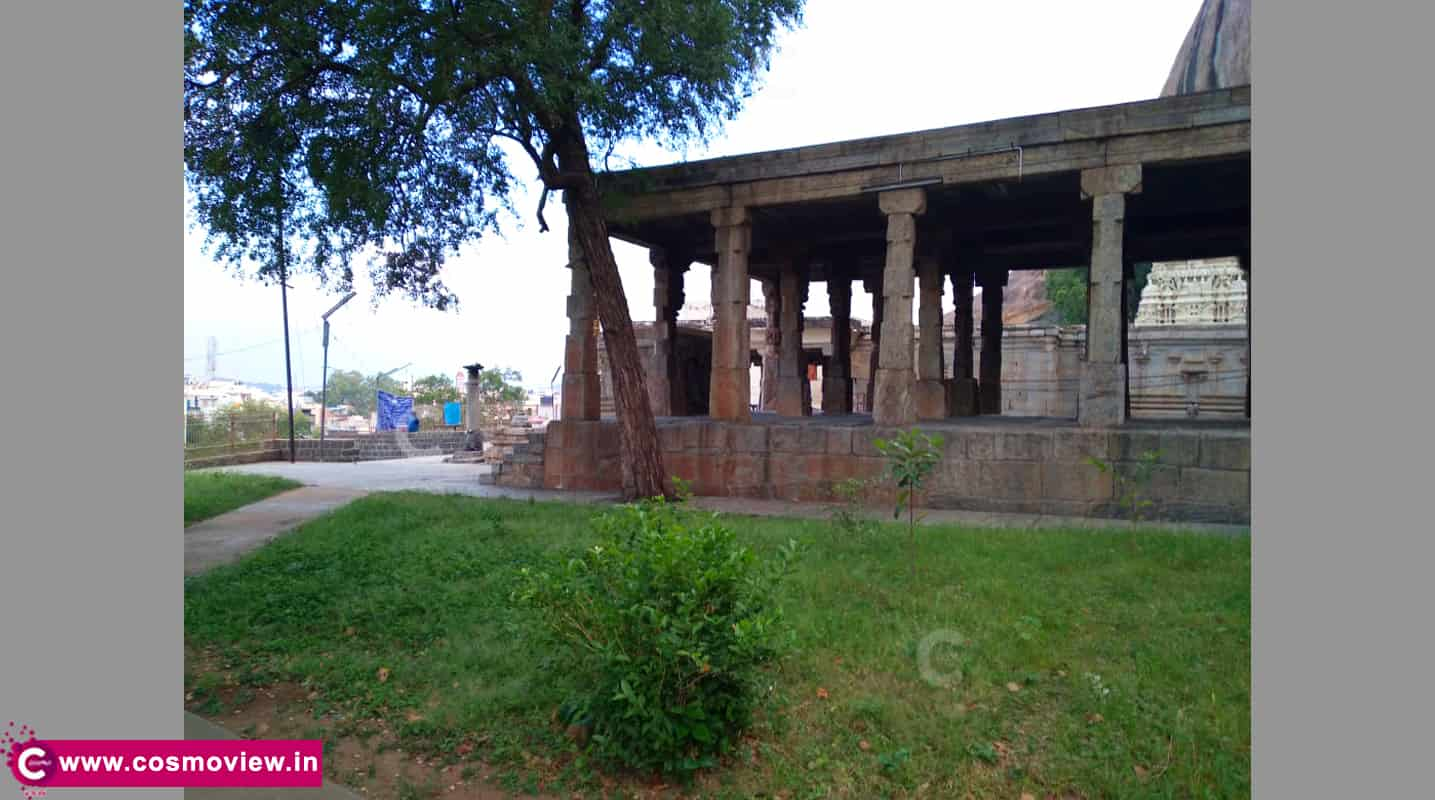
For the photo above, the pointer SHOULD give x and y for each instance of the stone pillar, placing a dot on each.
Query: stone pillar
(771, 350)
(965, 389)
(837, 375)
(792, 365)
(990, 392)
(582, 392)
(1128, 279)
(1102, 401)
(894, 404)
(931, 397)
(874, 288)
(730, 394)
(1246, 266)
(665, 385)
(472, 397)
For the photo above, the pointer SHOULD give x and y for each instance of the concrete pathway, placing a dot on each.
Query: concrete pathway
(226, 537)
(421, 473)
(200, 728)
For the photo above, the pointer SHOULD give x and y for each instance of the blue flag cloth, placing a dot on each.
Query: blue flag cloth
(453, 413)
(394, 411)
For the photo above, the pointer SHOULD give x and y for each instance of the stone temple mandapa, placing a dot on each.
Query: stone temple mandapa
(1164, 180)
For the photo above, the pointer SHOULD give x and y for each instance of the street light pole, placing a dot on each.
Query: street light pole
(324, 389)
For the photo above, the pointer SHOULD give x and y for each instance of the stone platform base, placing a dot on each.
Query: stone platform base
(1024, 465)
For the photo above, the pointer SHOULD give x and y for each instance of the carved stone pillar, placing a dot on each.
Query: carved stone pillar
(894, 404)
(665, 385)
(993, 289)
(965, 389)
(837, 375)
(582, 392)
(1102, 401)
(730, 393)
(931, 398)
(792, 365)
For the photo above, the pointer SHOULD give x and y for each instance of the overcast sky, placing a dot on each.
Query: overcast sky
(853, 70)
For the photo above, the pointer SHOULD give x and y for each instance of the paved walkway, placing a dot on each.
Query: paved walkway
(228, 536)
(421, 473)
(200, 728)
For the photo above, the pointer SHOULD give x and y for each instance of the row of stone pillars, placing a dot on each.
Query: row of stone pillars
(900, 391)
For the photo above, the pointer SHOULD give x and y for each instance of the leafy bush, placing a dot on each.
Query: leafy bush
(667, 623)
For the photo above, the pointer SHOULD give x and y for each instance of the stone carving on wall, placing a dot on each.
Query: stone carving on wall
(1210, 292)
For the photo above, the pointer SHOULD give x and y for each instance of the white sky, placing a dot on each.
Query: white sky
(853, 70)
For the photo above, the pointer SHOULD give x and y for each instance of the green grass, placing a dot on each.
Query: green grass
(1129, 653)
(209, 494)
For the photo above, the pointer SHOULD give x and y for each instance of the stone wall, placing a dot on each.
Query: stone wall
(990, 464)
(346, 447)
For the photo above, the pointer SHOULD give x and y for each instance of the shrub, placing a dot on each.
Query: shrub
(848, 510)
(911, 458)
(667, 623)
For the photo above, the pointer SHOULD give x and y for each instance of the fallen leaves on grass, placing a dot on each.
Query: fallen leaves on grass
(821, 693)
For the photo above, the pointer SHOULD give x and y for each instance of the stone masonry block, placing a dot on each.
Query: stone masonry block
(1226, 451)
(997, 480)
(1180, 448)
(1082, 482)
(1216, 487)
(1023, 446)
(1163, 483)
(931, 399)
(903, 201)
(1122, 179)
(691, 435)
(862, 439)
(839, 441)
(670, 437)
(748, 438)
(713, 437)
(784, 438)
(1076, 446)
(981, 445)
(1130, 445)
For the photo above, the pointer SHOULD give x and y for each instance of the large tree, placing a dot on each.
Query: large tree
(349, 125)
(434, 389)
(356, 390)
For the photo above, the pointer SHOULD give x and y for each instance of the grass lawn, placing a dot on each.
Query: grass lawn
(1062, 663)
(209, 494)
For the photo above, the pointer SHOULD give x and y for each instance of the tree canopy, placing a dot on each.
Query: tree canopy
(432, 389)
(357, 391)
(372, 124)
(1066, 288)
(386, 125)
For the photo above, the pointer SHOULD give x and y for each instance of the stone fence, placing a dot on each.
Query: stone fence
(346, 447)
(1011, 465)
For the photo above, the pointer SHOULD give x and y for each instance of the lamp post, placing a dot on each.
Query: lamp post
(324, 390)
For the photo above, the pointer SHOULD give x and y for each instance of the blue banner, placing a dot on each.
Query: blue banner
(453, 413)
(394, 412)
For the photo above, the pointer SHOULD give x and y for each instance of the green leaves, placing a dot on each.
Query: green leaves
(911, 457)
(315, 130)
(668, 622)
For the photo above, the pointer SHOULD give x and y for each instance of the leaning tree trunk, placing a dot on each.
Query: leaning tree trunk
(642, 457)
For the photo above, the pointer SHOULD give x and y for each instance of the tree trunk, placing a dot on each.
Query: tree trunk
(641, 455)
